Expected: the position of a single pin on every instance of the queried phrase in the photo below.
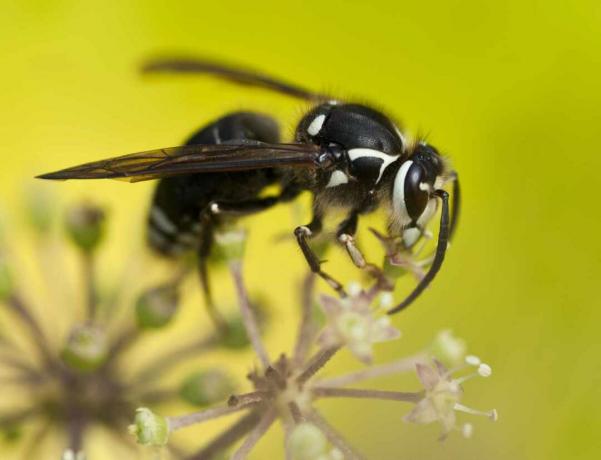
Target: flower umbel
(287, 389)
(82, 384)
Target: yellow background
(509, 90)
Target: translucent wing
(190, 159)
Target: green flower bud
(86, 348)
(149, 428)
(307, 442)
(234, 334)
(448, 349)
(230, 244)
(6, 283)
(156, 307)
(85, 225)
(206, 387)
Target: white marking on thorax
(355, 154)
(315, 125)
(337, 178)
(398, 194)
(400, 134)
(162, 221)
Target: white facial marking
(428, 212)
(337, 178)
(355, 154)
(411, 235)
(316, 125)
(398, 194)
(424, 186)
(162, 221)
(215, 208)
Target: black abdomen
(174, 220)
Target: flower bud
(234, 334)
(85, 226)
(6, 283)
(206, 387)
(149, 428)
(86, 348)
(448, 349)
(70, 455)
(307, 442)
(230, 244)
(156, 307)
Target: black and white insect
(347, 155)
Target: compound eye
(416, 191)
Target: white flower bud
(307, 442)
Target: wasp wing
(191, 159)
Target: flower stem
(328, 392)
(395, 367)
(248, 317)
(182, 421)
(39, 338)
(333, 436)
(257, 433)
(89, 269)
(318, 360)
(228, 437)
(307, 328)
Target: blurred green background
(509, 90)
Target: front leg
(346, 236)
(304, 232)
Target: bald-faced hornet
(347, 155)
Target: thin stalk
(89, 273)
(361, 393)
(257, 433)
(333, 436)
(230, 436)
(182, 421)
(395, 367)
(318, 360)
(248, 317)
(38, 336)
(307, 328)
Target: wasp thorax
(351, 126)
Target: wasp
(348, 155)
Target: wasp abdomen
(175, 221)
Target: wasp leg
(203, 251)
(346, 236)
(304, 232)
